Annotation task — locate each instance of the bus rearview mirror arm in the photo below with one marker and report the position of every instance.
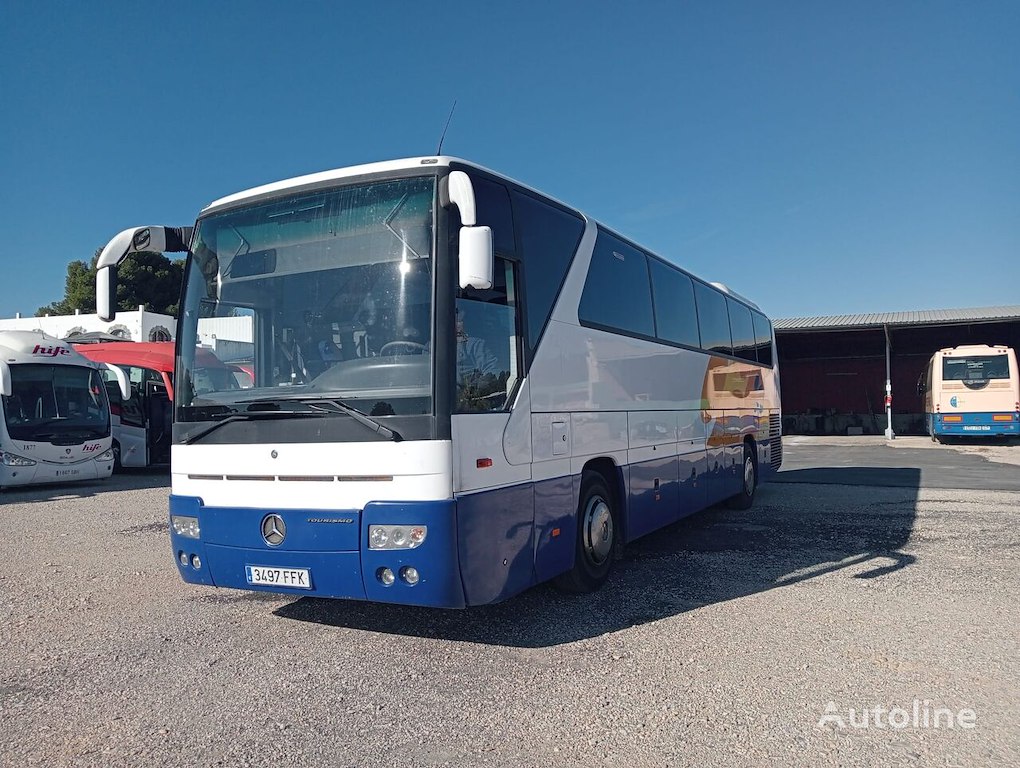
(6, 384)
(134, 240)
(476, 254)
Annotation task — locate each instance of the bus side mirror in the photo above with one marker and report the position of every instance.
(135, 240)
(6, 384)
(106, 290)
(476, 262)
(122, 379)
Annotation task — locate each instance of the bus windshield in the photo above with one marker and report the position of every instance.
(325, 294)
(975, 368)
(56, 403)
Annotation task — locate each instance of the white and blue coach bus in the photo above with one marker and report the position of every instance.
(462, 388)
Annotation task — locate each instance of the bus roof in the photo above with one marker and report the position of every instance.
(974, 349)
(328, 176)
(20, 347)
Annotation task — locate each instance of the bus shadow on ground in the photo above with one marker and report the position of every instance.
(712, 557)
(882, 477)
(122, 480)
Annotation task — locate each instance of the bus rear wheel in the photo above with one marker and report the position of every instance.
(749, 482)
(596, 540)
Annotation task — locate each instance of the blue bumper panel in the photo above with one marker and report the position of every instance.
(977, 424)
(332, 545)
(435, 560)
(497, 550)
(332, 574)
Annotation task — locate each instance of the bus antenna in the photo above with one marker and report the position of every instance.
(439, 149)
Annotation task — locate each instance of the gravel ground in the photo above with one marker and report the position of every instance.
(719, 641)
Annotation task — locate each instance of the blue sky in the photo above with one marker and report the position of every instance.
(820, 158)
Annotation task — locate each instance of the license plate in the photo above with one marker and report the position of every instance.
(297, 578)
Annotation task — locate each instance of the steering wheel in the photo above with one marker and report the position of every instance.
(414, 346)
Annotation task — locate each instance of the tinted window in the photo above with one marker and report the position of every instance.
(741, 329)
(493, 210)
(713, 320)
(676, 315)
(762, 338)
(975, 368)
(617, 293)
(547, 237)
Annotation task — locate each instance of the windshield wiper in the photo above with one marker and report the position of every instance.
(359, 416)
(270, 406)
(249, 416)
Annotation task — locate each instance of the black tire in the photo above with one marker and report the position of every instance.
(597, 532)
(116, 456)
(749, 482)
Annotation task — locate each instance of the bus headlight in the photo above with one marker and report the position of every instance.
(14, 460)
(396, 536)
(185, 526)
(106, 455)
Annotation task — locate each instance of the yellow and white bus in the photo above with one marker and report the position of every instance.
(972, 391)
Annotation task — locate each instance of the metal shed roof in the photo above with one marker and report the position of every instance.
(918, 317)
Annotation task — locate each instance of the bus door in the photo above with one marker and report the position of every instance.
(127, 420)
(159, 417)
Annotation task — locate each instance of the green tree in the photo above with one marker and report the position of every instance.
(144, 278)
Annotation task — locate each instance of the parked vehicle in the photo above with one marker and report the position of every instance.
(142, 422)
(462, 388)
(55, 423)
(971, 391)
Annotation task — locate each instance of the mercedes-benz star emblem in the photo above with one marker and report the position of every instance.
(274, 530)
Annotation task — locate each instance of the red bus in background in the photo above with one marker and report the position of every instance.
(141, 423)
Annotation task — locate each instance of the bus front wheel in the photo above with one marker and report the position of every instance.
(597, 532)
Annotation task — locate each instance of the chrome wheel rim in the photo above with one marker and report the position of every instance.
(598, 530)
(748, 476)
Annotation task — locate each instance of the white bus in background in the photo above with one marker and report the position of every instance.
(462, 388)
(54, 412)
(972, 391)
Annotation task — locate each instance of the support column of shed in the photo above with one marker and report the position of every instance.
(889, 434)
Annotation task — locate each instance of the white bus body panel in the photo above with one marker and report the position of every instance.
(313, 475)
(54, 463)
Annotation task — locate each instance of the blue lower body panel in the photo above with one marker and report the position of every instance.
(327, 549)
(974, 424)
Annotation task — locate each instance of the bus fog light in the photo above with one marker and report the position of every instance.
(183, 557)
(396, 536)
(196, 562)
(385, 576)
(410, 575)
(186, 526)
